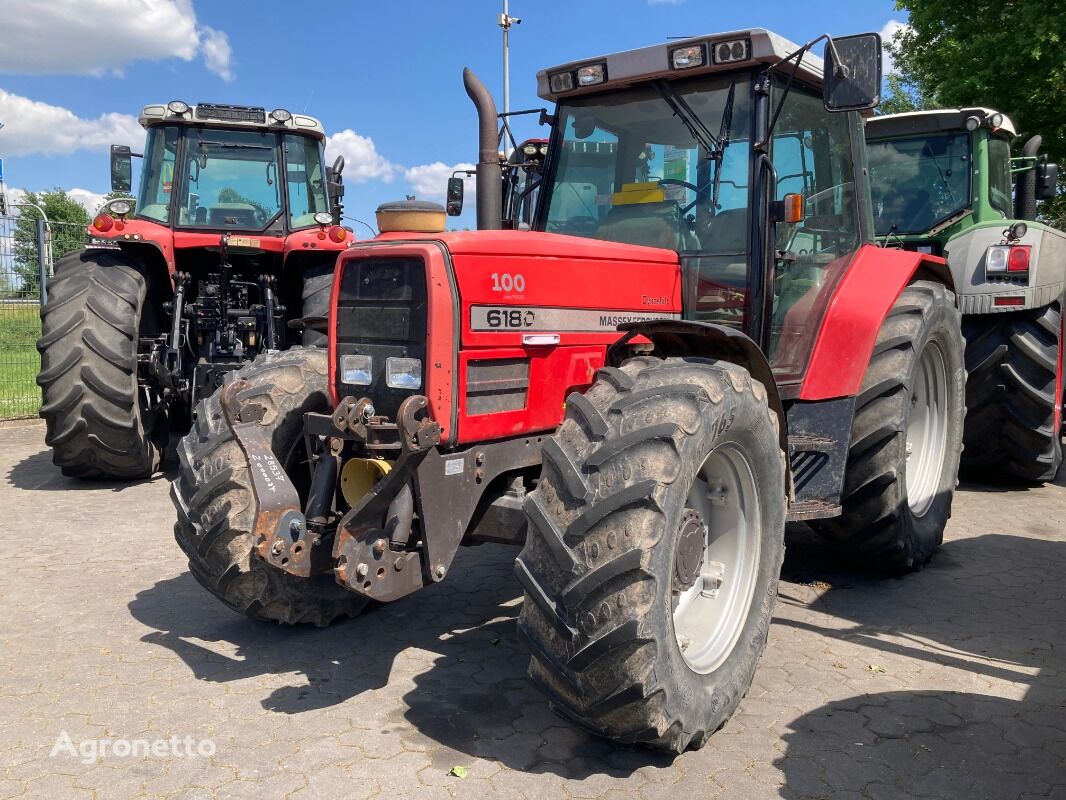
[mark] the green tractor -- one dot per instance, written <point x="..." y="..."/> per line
<point x="944" y="183"/>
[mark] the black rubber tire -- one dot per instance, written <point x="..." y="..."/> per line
<point x="213" y="496"/>
<point x="877" y="527"/>
<point x="317" y="284"/>
<point x="1013" y="361"/>
<point x="598" y="560"/>
<point x="96" y="425"/>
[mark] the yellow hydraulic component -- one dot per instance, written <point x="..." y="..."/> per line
<point x="359" y="476"/>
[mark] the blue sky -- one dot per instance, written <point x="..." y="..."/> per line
<point x="385" y="78"/>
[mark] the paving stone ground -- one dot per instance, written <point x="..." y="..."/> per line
<point x="950" y="683"/>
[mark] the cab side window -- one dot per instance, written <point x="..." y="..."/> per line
<point x="811" y="150"/>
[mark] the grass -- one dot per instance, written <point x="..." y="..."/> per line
<point x="20" y="325"/>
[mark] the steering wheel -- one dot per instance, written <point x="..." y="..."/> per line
<point x="699" y="192"/>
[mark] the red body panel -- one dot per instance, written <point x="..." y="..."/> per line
<point x="867" y="291"/>
<point x="559" y="273"/>
<point x="168" y="241"/>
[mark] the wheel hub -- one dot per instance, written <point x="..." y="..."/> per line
<point x="690" y="549"/>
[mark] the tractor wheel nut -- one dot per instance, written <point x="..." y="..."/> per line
<point x="277" y="548"/>
<point x="439" y="573"/>
<point x="361" y="571"/>
<point x="379" y="547"/>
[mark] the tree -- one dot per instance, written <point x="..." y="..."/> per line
<point x="901" y="96"/>
<point x="1007" y="54"/>
<point x="68" y="220"/>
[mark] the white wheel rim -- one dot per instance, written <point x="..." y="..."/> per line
<point x="926" y="430"/>
<point x="709" y="616"/>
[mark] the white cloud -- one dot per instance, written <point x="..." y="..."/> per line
<point x="362" y="161"/>
<point x="32" y="127"/>
<point x="888" y="32"/>
<point x="430" y="181"/>
<point x="217" y="52"/>
<point x="98" y="36"/>
<point x="87" y="199"/>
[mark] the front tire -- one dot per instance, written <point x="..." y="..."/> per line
<point x="215" y="503"/>
<point x="906" y="436"/>
<point x="99" y="421"/>
<point x="1013" y="362"/>
<point x="665" y="483"/>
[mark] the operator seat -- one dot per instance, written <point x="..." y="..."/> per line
<point x="648" y="224"/>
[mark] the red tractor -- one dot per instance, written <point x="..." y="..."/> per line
<point x="231" y="240"/>
<point x="698" y="341"/>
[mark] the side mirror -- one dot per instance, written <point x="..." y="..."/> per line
<point x="1047" y="179"/>
<point x="338" y="166"/>
<point x="121" y="168"/>
<point x="852" y="79"/>
<point x="455" y="197"/>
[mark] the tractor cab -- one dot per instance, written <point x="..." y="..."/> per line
<point x="732" y="150"/>
<point x="936" y="173"/>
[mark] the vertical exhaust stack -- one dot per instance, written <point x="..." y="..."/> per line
<point x="489" y="171"/>
<point x="1025" y="190"/>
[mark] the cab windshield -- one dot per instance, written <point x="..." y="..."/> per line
<point x="633" y="167"/>
<point x="229" y="179"/>
<point x="919" y="182"/>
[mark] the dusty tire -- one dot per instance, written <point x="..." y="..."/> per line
<point x="213" y="496"/>
<point x="97" y="425"/>
<point x="1013" y="364"/>
<point x="599" y="559"/>
<point x="317" y="284"/>
<point x="886" y="522"/>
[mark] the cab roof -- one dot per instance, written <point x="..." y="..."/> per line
<point x="632" y="67"/>
<point x="230" y="116"/>
<point x="940" y="119"/>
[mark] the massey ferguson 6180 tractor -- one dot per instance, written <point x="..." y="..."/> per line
<point x="942" y="183"/>
<point x="707" y="196"/>
<point x="232" y="238"/>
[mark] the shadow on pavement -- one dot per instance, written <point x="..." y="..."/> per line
<point x="992" y="610"/>
<point x="448" y="662"/>
<point x="452" y="649"/>
<point x="37" y="473"/>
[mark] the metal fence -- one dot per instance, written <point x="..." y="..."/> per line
<point x="29" y="248"/>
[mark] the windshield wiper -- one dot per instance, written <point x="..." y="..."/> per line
<point x="690" y="120"/>
<point x="723" y="143"/>
<point x="943" y="177"/>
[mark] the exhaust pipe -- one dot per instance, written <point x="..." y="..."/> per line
<point x="489" y="171"/>
<point x="1025" y="194"/>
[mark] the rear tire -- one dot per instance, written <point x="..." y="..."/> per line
<point x="317" y="285"/>
<point x="893" y="520"/>
<point x="98" y="423"/>
<point x="1013" y="362"/>
<point x="612" y="644"/>
<point x="215" y="503"/>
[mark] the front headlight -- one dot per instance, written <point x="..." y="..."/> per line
<point x="403" y="373"/>
<point x="357" y="370"/>
<point x="119" y="207"/>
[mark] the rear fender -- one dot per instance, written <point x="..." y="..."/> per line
<point x="866" y="293"/>
<point x="681" y="338"/>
